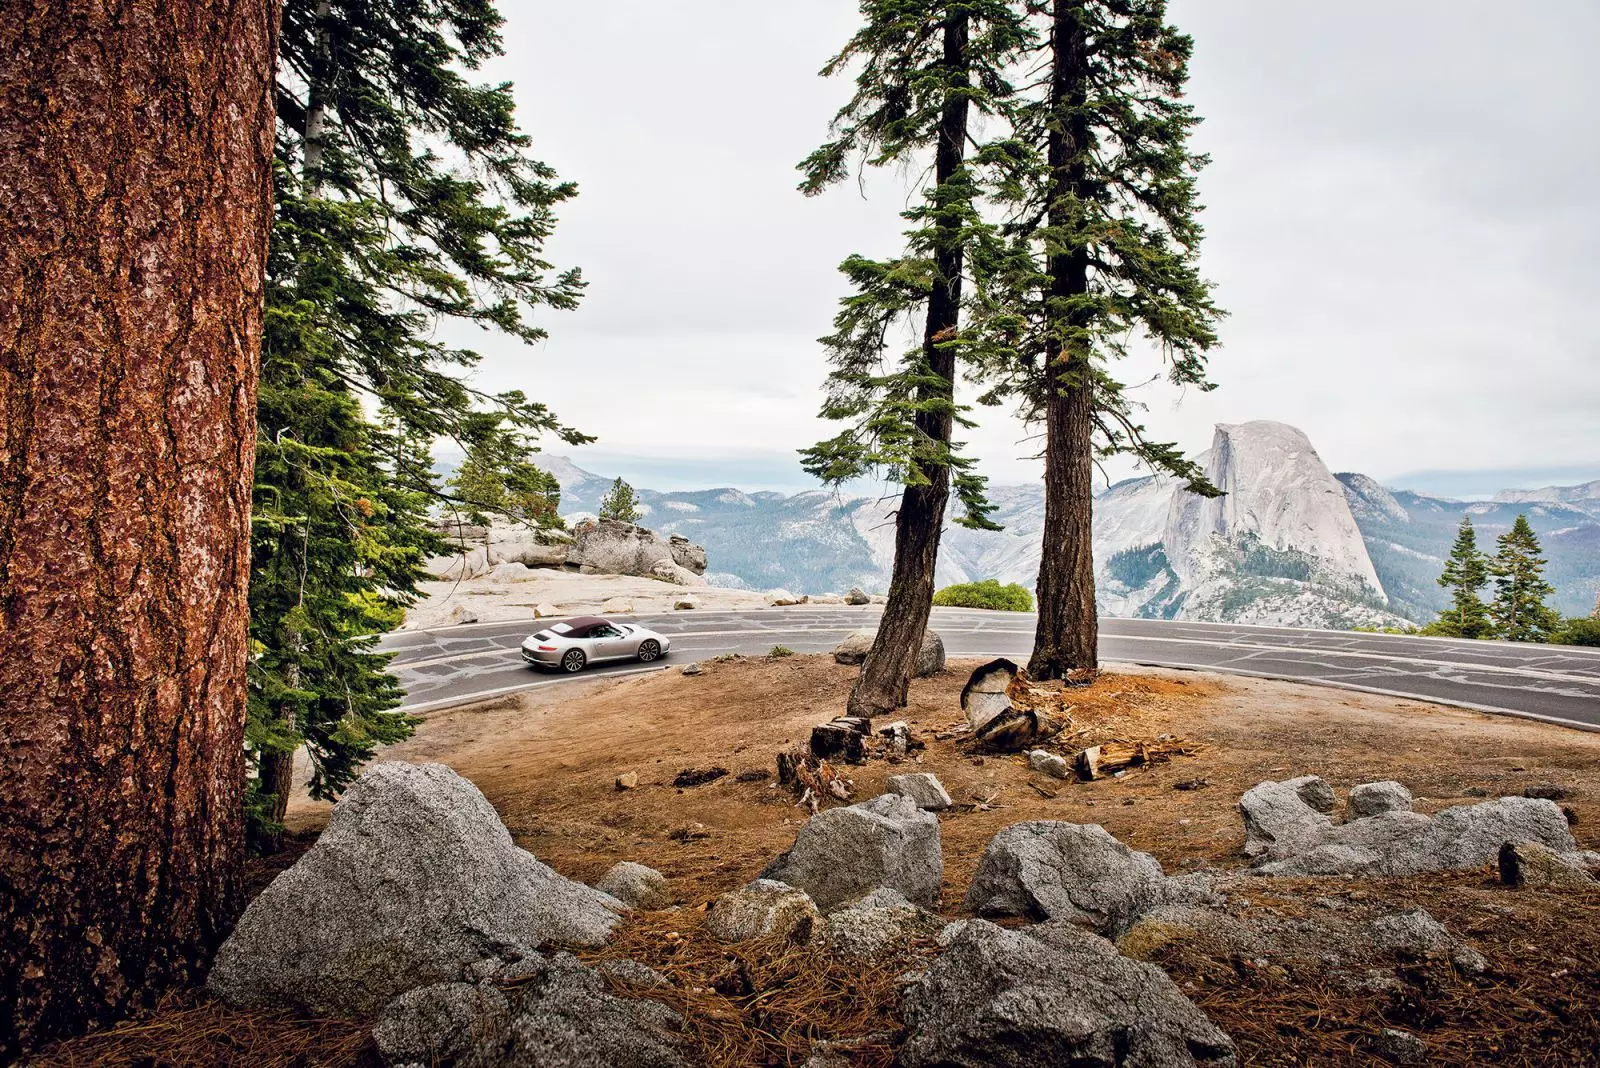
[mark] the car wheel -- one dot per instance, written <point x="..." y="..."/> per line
<point x="649" y="650"/>
<point x="573" y="661"/>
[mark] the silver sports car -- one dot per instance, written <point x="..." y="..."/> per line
<point x="574" y="644"/>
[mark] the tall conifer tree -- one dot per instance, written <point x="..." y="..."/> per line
<point x="1100" y="185"/>
<point x="406" y="198"/>
<point x="926" y="69"/>
<point x="1465" y="573"/>
<point x="1519" y="611"/>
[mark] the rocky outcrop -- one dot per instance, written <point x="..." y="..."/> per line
<point x="1289" y="836"/>
<point x="1050" y="870"/>
<point x="1051" y="994"/>
<point x="843" y="853"/>
<point x="607" y="547"/>
<point x="414" y="881"/>
<point x="551" y="1012"/>
<point x="1532" y="864"/>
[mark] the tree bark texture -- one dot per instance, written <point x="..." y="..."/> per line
<point x="1067" y="635"/>
<point x="136" y="143"/>
<point x="885" y="678"/>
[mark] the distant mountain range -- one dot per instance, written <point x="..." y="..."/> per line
<point x="1290" y="543"/>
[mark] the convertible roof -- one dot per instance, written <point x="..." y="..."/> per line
<point x="585" y="622"/>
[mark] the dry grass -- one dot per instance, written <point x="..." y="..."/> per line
<point x="765" y="1001"/>
<point x="187" y="1029"/>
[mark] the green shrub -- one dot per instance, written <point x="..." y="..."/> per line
<point x="1581" y="630"/>
<point x="781" y="650"/>
<point x="986" y="594"/>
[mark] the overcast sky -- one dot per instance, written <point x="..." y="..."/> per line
<point x="1402" y="216"/>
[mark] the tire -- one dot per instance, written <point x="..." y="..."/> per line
<point x="573" y="661"/>
<point x="649" y="650"/>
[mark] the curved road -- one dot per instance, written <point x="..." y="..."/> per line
<point x="1559" y="684"/>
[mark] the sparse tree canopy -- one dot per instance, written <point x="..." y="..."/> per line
<point x="620" y="504"/>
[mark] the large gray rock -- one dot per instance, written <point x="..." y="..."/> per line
<point x="1282" y="817"/>
<point x="414" y="880"/>
<point x="1051" y="995"/>
<point x="1373" y="798"/>
<point x="923" y="787"/>
<point x="878" y="924"/>
<point x="1405" y="843"/>
<point x="553" y="1012"/>
<point x="635" y="886"/>
<point x="761" y="908"/>
<point x="1050" y="870"/>
<point x="857" y="644"/>
<point x="843" y="853"/>
<point x="607" y="547"/>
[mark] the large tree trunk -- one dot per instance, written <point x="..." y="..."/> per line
<point x="1067" y="635"/>
<point x="886" y="675"/>
<point x="135" y="199"/>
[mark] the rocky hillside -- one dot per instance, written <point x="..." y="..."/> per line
<point x="1290" y="544"/>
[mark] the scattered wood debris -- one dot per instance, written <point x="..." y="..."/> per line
<point x="1008" y="712"/>
<point x="698" y="776"/>
<point x="1109" y="758"/>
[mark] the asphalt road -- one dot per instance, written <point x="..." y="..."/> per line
<point x="1560" y="684"/>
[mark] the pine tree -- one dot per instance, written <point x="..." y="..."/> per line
<point x="621" y="504"/>
<point x="135" y="200"/>
<point x="1465" y="572"/>
<point x="925" y="67"/>
<point x="405" y="198"/>
<point x="1099" y="183"/>
<point x="1519" y="611"/>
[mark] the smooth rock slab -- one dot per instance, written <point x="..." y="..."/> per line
<point x="843" y="853"/>
<point x="760" y="908"/>
<point x="1051" y="995"/>
<point x="923" y="787"/>
<point x="556" y="1014"/>
<point x="414" y="880"/>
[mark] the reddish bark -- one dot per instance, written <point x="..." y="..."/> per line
<point x="135" y="199"/>
<point x="1068" y="630"/>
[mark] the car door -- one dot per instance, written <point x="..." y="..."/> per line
<point x="611" y="643"/>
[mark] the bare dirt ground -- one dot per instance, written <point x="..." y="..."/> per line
<point x="548" y="762"/>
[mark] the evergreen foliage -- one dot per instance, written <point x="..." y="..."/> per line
<point x="987" y="593"/>
<point x="621" y="504"/>
<point x="405" y="198"/>
<point x="898" y="405"/>
<point x="1465" y="573"/>
<point x="1519" y="611"/>
<point x="1101" y="244"/>
<point x="1582" y="630"/>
